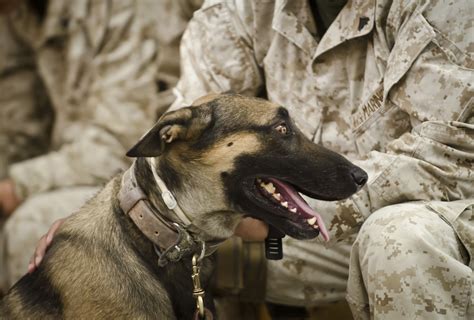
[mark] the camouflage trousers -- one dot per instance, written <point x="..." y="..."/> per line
<point x="21" y="232"/>
<point x="406" y="263"/>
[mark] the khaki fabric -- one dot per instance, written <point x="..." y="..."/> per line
<point x="309" y="275"/>
<point x="31" y="221"/>
<point x="99" y="65"/>
<point x="96" y="61"/>
<point x="389" y="85"/>
<point x="25" y="115"/>
<point x="411" y="262"/>
<point x="79" y="84"/>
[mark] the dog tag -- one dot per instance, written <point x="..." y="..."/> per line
<point x="169" y="200"/>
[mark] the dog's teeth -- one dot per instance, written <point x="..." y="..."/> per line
<point x="269" y="187"/>
<point x="311" y="221"/>
<point x="285" y="204"/>
<point x="277" y="196"/>
<point x="293" y="210"/>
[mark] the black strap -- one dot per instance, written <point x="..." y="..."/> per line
<point x="273" y="244"/>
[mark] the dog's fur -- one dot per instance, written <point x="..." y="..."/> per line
<point x="101" y="266"/>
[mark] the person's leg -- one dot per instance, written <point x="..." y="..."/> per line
<point x="309" y="274"/>
<point x="29" y="222"/>
<point x="408" y="263"/>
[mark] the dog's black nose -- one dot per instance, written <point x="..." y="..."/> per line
<point x="359" y="176"/>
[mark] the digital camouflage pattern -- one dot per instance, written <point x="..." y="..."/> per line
<point x="390" y="85"/>
<point x="409" y="253"/>
<point x="79" y="82"/>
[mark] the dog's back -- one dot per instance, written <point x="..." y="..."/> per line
<point x="32" y="297"/>
<point x="90" y="271"/>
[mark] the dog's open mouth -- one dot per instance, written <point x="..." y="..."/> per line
<point x="285" y="196"/>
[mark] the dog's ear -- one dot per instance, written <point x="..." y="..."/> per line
<point x="183" y="124"/>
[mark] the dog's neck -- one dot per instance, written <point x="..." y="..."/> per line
<point x="145" y="198"/>
<point x="167" y="196"/>
<point x="147" y="181"/>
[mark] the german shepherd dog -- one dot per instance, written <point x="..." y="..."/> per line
<point x="223" y="158"/>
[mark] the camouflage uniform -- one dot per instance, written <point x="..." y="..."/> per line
<point x="390" y="85"/>
<point x="96" y="63"/>
<point x="22" y="101"/>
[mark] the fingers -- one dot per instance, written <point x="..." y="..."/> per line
<point x="251" y="229"/>
<point x="43" y="244"/>
<point x="52" y="230"/>
<point x="8" y="198"/>
<point x="40" y="250"/>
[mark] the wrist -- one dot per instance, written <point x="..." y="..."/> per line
<point x="9" y="200"/>
<point x="250" y="229"/>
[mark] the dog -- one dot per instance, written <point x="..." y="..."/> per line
<point x="128" y="252"/>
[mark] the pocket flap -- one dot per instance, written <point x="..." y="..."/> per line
<point x="414" y="36"/>
<point x="460" y="215"/>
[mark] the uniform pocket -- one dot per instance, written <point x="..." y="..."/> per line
<point x="414" y="37"/>
<point x="378" y="121"/>
<point x="452" y="52"/>
<point x="460" y="215"/>
<point x="426" y="74"/>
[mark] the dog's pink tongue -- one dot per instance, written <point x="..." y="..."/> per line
<point x="289" y="193"/>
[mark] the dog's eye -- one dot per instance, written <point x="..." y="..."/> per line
<point x="282" y="128"/>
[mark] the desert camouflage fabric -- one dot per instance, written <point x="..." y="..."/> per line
<point x="80" y="81"/>
<point x="390" y="85"/>
<point x="96" y="62"/>
<point x="25" y="116"/>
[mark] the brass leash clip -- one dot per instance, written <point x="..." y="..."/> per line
<point x="198" y="292"/>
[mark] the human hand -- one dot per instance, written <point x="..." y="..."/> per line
<point x="251" y="229"/>
<point x="8" y="198"/>
<point x="43" y="245"/>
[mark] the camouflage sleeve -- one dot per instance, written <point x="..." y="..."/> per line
<point x="25" y="116"/>
<point x="109" y="98"/>
<point x="429" y="76"/>
<point x="222" y="60"/>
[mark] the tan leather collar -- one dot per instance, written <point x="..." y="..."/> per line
<point x="171" y="240"/>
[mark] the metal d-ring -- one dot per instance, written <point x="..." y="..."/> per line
<point x="162" y="256"/>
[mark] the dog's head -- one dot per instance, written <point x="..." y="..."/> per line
<point x="230" y="156"/>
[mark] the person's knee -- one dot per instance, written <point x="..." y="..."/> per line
<point x="402" y="232"/>
<point x="45" y="208"/>
<point x="407" y="253"/>
<point x="35" y="215"/>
